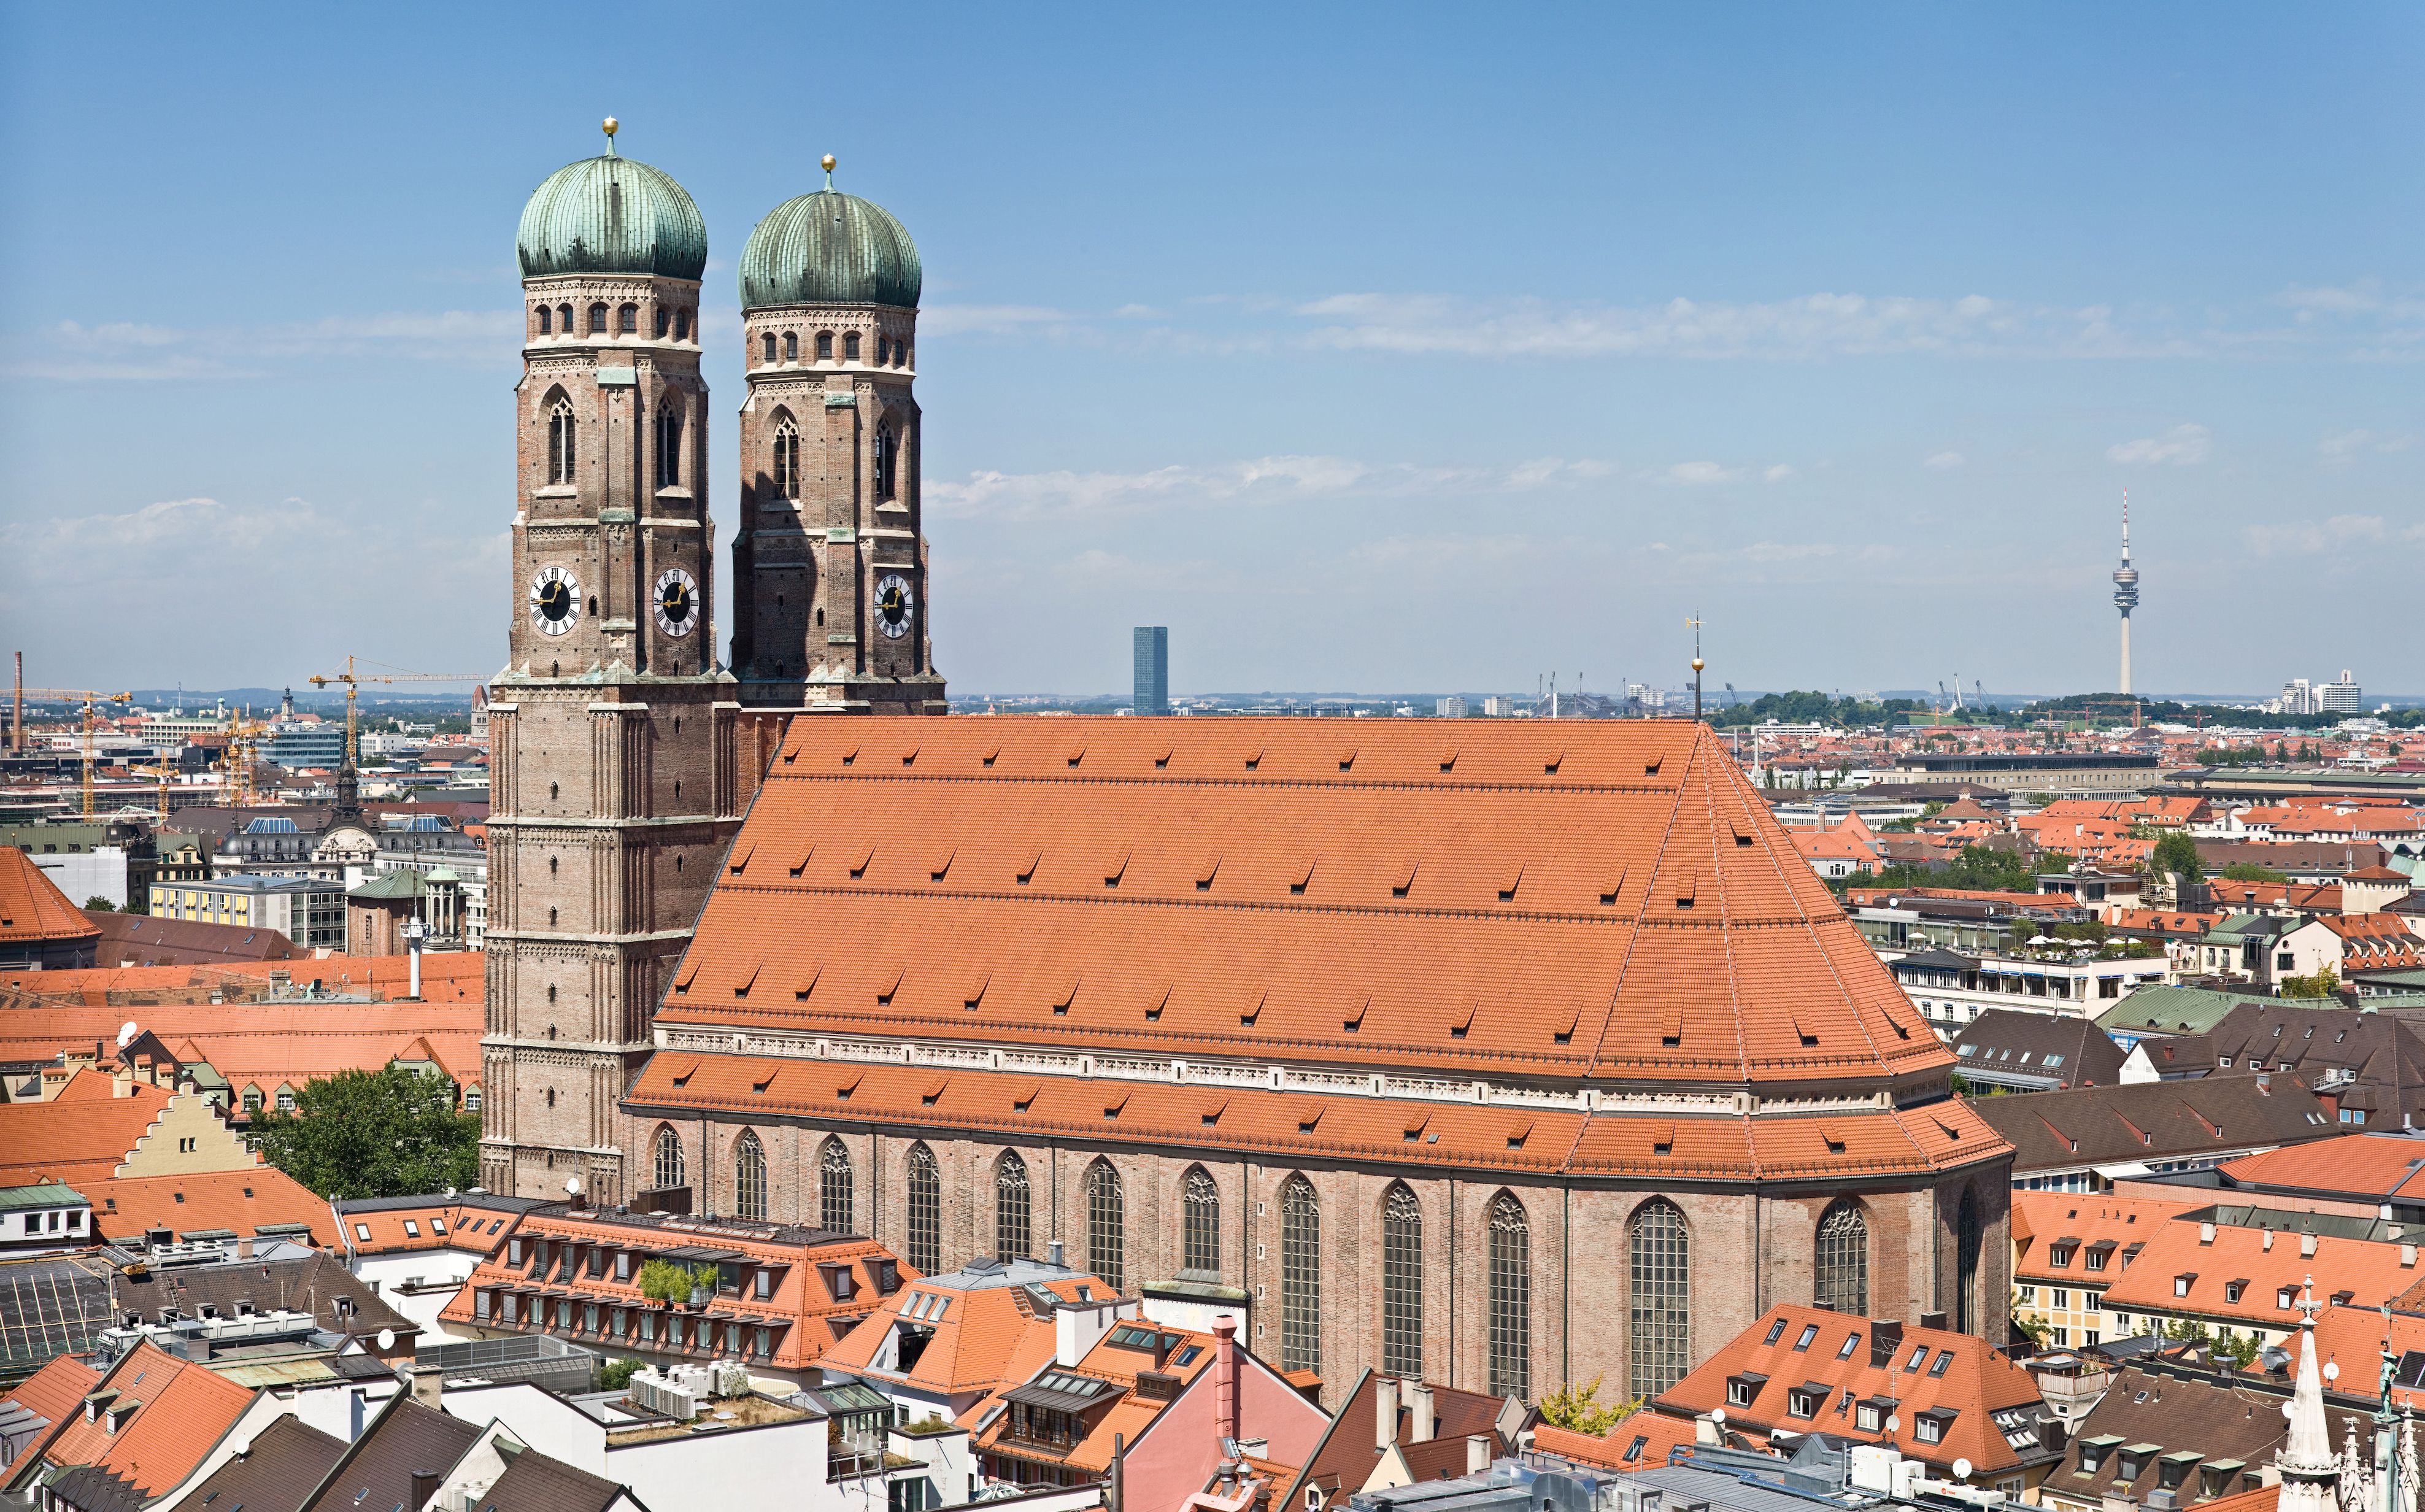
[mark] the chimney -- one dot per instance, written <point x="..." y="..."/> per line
<point x="1385" y="1414"/>
<point x="2306" y="1246"/>
<point x="2407" y="1257"/>
<point x="1224" y="1376"/>
<point x="1116" y="1486"/>
<point x="425" y="1486"/>
<point x="358" y="1408"/>
<point x="2266" y="1244"/>
<point x="1477" y="1453"/>
<point x="428" y="1384"/>
<point x="1931" y="1320"/>
<point x="244" y="1246"/>
<point x="1705" y="1429"/>
<point x="1054" y="1251"/>
<point x="1423" y="1423"/>
<point x="2206" y="1233"/>
<point x="1885" y="1338"/>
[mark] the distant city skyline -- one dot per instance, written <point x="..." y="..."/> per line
<point x="1467" y="359"/>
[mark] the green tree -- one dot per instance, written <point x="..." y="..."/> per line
<point x="2175" y="852"/>
<point x="97" y="904"/>
<point x="1578" y="1408"/>
<point x="663" y="1280"/>
<point x="619" y="1373"/>
<point x="2322" y="985"/>
<point x="387" y="1133"/>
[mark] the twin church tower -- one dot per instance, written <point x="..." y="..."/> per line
<point x="622" y="749"/>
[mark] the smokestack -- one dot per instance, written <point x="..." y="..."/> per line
<point x="428" y="1385"/>
<point x="1053" y="1249"/>
<point x="1224" y="1376"/>
<point x="1425" y="1422"/>
<point x="1385" y="1414"/>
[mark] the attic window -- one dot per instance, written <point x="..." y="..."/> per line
<point x="1161" y="1000"/>
<point x="1650" y="768"/>
<point x="1211" y="1115"/>
<point x="1076" y="754"/>
<point x="741" y="862"/>
<point x="1346" y="761"/>
<point x="1508" y="883"/>
<point x="910" y="756"/>
<point x="1662" y="1142"/>
<point x="976" y="994"/>
<point x="1567" y="1035"/>
<point x="849" y="756"/>
<point x="806" y="982"/>
<point x="884" y="993"/>
<point x="1111" y="1109"/>
<point x="1205" y="871"/>
<point x="1448" y="759"/>
<point x="1550" y="763"/>
<point x="1516" y="1136"/>
<point x="860" y="870"/>
<point x="1067" y="995"/>
<point x="1027" y="873"/>
<point x="1303" y="877"/>
<point x="1254" y="758"/>
<point x="741" y="989"/>
<point x="1308" y="1120"/>
<point x="1406" y="881"/>
<point x="1834" y="1145"/>
<point x="1247" y="1014"/>
<point x="1116" y="868"/>
<point x="991" y="751"/>
<point x="1610" y="889"/>
<point x="943" y="866"/>
<point x="1354" y="1019"/>
<point x="1163" y="757"/>
<point x="934" y="1093"/>
<point x="1459" y="1026"/>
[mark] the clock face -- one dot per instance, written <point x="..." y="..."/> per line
<point x="555" y="601"/>
<point x="893" y="605"/>
<point x="676" y="603"/>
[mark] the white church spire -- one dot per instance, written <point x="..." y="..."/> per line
<point x="2310" y="1473"/>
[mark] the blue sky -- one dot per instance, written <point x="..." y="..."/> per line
<point x="1379" y="348"/>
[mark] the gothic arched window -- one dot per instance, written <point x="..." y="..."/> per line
<point x="1401" y="1283"/>
<point x="1106" y="1226"/>
<point x="682" y="325"/>
<point x="888" y="451"/>
<point x="628" y="319"/>
<point x="1013" y="1224"/>
<point x="546" y="324"/>
<point x="837" y="1205"/>
<point x="1841" y="1274"/>
<point x="850" y="346"/>
<point x="1511" y="1299"/>
<point x="1300" y="1276"/>
<point x="670" y="429"/>
<point x="597" y="319"/>
<point x="559" y="441"/>
<point x="665" y="321"/>
<point x="669" y="1170"/>
<point x="1200" y="1234"/>
<point x="787" y="460"/>
<point x="749" y="1177"/>
<point x="925" y="1212"/>
<point x="883" y="350"/>
<point x="769" y="347"/>
<point x="1969" y="1237"/>
<point x="824" y="346"/>
<point x="564" y="318"/>
<point x="791" y="347"/>
<point x="1660" y="1296"/>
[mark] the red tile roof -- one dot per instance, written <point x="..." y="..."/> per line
<point x="81" y="1135"/>
<point x="32" y="908"/>
<point x="2092" y="1235"/>
<point x="55" y="1392"/>
<point x="989" y="1338"/>
<point x="1641" y="1441"/>
<point x="1284" y="887"/>
<point x="243" y="1201"/>
<point x="2372" y="1168"/>
<point x="185" y="1409"/>
<point x="1127" y="1417"/>
<point x="2182" y="1272"/>
<point x="261" y="1044"/>
<point x="1834" y="1361"/>
<point x="463" y="1224"/>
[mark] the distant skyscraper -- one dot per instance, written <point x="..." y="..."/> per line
<point x="2126" y="591"/>
<point x="1152" y="669"/>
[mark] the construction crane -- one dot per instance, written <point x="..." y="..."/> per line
<point x="353" y="681"/>
<point x="87" y="696"/>
<point x="237" y="776"/>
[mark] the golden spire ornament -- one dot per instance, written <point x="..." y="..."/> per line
<point x="611" y="126"/>
<point x="828" y="161"/>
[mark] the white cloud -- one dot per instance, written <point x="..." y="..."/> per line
<point x="991" y="320"/>
<point x="1263" y="480"/>
<point x="2337" y="450"/>
<point x="1944" y="461"/>
<point x="124" y="351"/>
<point x="2182" y="446"/>
<point x="1777" y="474"/>
<point x="1698" y="474"/>
<point x="2309" y="536"/>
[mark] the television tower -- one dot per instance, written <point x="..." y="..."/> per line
<point x="2126" y="591"/>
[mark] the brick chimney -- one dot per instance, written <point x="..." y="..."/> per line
<point x="1225" y="1375"/>
<point x="1886" y="1336"/>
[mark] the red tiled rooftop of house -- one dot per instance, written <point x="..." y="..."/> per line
<point x="32" y="908"/>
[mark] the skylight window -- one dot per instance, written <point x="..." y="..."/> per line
<point x="1944" y="1362"/>
<point x="1775" y="1331"/>
<point x="1810" y="1332"/>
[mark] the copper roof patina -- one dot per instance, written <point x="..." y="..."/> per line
<point x="611" y="215"/>
<point x="830" y="247"/>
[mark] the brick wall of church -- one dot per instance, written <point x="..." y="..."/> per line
<point x="1747" y="1252"/>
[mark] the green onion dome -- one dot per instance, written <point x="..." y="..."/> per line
<point x="611" y="215"/>
<point x="830" y="247"/>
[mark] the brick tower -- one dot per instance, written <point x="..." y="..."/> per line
<point x="830" y="565"/>
<point x="612" y="727"/>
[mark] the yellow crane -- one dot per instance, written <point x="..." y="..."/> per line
<point x="89" y="697"/>
<point x="237" y="776"/>
<point x="353" y="681"/>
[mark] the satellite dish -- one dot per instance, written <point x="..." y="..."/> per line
<point x="386" y="1338"/>
<point x="2332" y="1370"/>
<point x="1962" y="1469"/>
<point x="1894" y="1422"/>
<point x="126" y="1033"/>
<point x="1717" y="1414"/>
<point x="572" y="1186"/>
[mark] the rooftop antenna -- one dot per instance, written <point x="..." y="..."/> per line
<point x="1694" y="622"/>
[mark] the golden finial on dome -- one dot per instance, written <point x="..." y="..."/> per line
<point x="611" y="126"/>
<point x="828" y="161"/>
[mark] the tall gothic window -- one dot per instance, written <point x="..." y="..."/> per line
<point x="888" y="455"/>
<point x="1402" y="1284"/>
<point x="1200" y="1234"/>
<point x="559" y="441"/>
<point x="1660" y="1299"/>
<point x="749" y="1177"/>
<point x="787" y="461"/>
<point x="837" y="1203"/>
<point x="545" y="323"/>
<point x="1300" y="1276"/>
<point x="768" y="349"/>
<point x="1968" y="1236"/>
<point x="925" y="1212"/>
<point x="670" y="1171"/>
<point x="670" y="429"/>
<point x="1841" y="1272"/>
<point x="1014" y="1233"/>
<point x="791" y="347"/>
<point x="1106" y="1226"/>
<point x="1511" y="1299"/>
<point x="597" y="320"/>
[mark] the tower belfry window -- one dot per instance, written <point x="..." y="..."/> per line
<point x="597" y="320"/>
<point x="850" y="346"/>
<point x="787" y="461"/>
<point x="665" y="321"/>
<point x="824" y="346"/>
<point x="768" y="347"/>
<point x="559" y="441"/>
<point x="545" y="323"/>
<point x="888" y="451"/>
<point x="629" y="319"/>
<point x="791" y="348"/>
<point x="670" y="429"/>
<point x="564" y="318"/>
